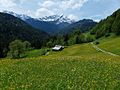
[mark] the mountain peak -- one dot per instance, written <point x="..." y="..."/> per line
<point x="21" y="16"/>
<point x="57" y="18"/>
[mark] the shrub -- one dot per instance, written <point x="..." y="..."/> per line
<point x="17" y="48"/>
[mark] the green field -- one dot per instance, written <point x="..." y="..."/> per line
<point x="111" y="44"/>
<point x="77" y="67"/>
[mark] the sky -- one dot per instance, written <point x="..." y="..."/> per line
<point x="73" y="9"/>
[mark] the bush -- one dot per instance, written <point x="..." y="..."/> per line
<point x="17" y="48"/>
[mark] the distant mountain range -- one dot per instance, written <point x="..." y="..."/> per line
<point x="82" y="25"/>
<point x="49" y="24"/>
<point x="57" y="19"/>
<point x="56" y="24"/>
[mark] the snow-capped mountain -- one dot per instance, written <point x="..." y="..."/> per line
<point x="21" y="16"/>
<point x="48" y="24"/>
<point x="55" y="23"/>
<point x="57" y="18"/>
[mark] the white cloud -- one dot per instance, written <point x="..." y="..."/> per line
<point x="73" y="17"/>
<point x="47" y="4"/>
<point x="72" y="4"/>
<point x="7" y="3"/>
<point x="12" y="5"/>
<point x="97" y="20"/>
<point x="50" y="7"/>
<point x="46" y="8"/>
<point x="43" y="12"/>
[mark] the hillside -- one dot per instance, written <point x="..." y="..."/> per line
<point x="111" y="44"/>
<point x="76" y="67"/>
<point x="109" y="25"/>
<point x="12" y="28"/>
<point x="48" y="27"/>
<point x="82" y="25"/>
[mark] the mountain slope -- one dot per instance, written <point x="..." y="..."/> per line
<point x="12" y="28"/>
<point x="48" y="27"/>
<point x="49" y="24"/>
<point x="82" y="25"/>
<point x="56" y="23"/>
<point x="111" y="44"/>
<point x="109" y="25"/>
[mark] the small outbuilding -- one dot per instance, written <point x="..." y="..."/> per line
<point x="58" y="48"/>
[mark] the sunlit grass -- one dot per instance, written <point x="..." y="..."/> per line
<point x="92" y="72"/>
<point x="77" y="67"/>
<point x="111" y="44"/>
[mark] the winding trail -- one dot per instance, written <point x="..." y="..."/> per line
<point x="101" y="50"/>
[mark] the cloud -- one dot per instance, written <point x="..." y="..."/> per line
<point x="46" y="4"/>
<point x="72" y="8"/>
<point x="97" y="20"/>
<point x="43" y="11"/>
<point x="13" y="5"/>
<point x="50" y="7"/>
<point x="7" y="3"/>
<point x="46" y="8"/>
<point x="72" y="4"/>
<point x="73" y="17"/>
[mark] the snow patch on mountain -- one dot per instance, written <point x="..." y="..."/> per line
<point x="21" y="16"/>
<point x="57" y="18"/>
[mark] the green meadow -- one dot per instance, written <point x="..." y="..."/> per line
<point x="77" y="67"/>
<point x="111" y="44"/>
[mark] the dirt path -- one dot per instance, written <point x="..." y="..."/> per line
<point x="99" y="49"/>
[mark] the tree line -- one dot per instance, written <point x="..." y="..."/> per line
<point x="109" y="25"/>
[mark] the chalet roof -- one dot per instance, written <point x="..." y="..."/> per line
<point x="57" y="47"/>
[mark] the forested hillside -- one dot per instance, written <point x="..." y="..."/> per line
<point x="12" y="28"/>
<point x="81" y="25"/>
<point x="109" y="25"/>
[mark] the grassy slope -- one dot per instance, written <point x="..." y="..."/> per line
<point x="76" y="67"/>
<point x="75" y="50"/>
<point x="111" y="44"/>
<point x="35" y="53"/>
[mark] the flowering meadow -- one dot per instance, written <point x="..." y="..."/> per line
<point x="77" y="67"/>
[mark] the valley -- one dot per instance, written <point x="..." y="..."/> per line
<point x="52" y="51"/>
